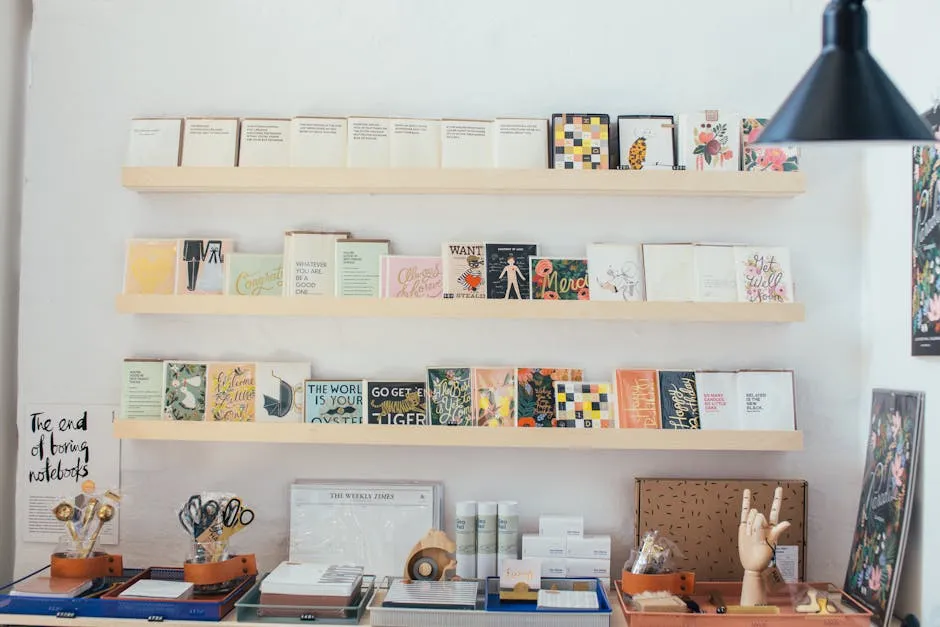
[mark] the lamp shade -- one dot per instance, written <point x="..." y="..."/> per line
<point x="845" y="95"/>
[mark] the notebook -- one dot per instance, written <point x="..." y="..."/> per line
<point x="309" y="579"/>
<point x="567" y="600"/>
<point x="451" y="595"/>
<point x="59" y="587"/>
<point x="157" y="589"/>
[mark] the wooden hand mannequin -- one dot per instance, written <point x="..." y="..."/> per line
<point x="756" y="542"/>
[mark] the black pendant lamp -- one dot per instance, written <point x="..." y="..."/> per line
<point x="845" y="96"/>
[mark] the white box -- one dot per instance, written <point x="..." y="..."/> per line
<point x="466" y="144"/>
<point x="554" y="567"/>
<point x="417" y="144"/>
<point x="534" y="545"/>
<point x="588" y="568"/>
<point x="318" y="142"/>
<point x="561" y="526"/>
<point x="154" y="142"/>
<point x="210" y="142"/>
<point x="588" y="547"/>
<point x="367" y="143"/>
<point x="521" y="143"/>
<point x="265" y="143"/>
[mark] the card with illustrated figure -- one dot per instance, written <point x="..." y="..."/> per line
<point x="184" y="390"/>
<point x="396" y="403"/>
<point x="200" y="266"/>
<point x="230" y="392"/>
<point x="616" y="272"/>
<point x="535" y="394"/>
<point x="404" y="276"/>
<point x="637" y="396"/>
<point x="709" y="141"/>
<point x="507" y="270"/>
<point x="580" y="141"/>
<point x="358" y="267"/>
<point x="765" y="158"/>
<point x="463" y="266"/>
<point x="494" y="397"/>
<point x="647" y="142"/>
<point x="254" y="275"/>
<point x="450" y="398"/>
<point x="678" y="399"/>
<point x="583" y="405"/>
<point x="150" y="266"/>
<point x="280" y="391"/>
<point x="338" y="402"/>
<point x="555" y="278"/>
<point x="763" y="274"/>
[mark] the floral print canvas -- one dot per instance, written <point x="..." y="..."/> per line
<point x="763" y="274"/>
<point x="711" y="141"/>
<point x="925" y="261"/>
<point x="884" y="507"/>
<point x="765" y="158"/>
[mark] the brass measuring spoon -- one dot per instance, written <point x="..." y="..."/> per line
<point x="64" y="513"/>
<point x="105" y="513"/>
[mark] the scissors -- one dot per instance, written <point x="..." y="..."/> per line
<point x="197" y="516"/>
<point x="235" y="517"/>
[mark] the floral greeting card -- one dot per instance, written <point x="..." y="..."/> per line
<point x="884" y="507"/>
<point x="711" y="141"/>
<point x="763" y="274"/>
<point x="765" y="158"/>
<point x="559" y="279"/>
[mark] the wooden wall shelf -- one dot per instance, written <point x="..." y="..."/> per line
<point x="383" y="435"/>
<point x="446" y="181"/>
<point x="462" y="308"/>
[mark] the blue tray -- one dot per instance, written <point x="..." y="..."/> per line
<point x="213" y="607"/>
<point x="206" y="608"/>
<point x="63" y="608"/>
<point x="494" y="604"/>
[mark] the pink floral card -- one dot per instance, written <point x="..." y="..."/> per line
<point x="765" y="158"/>
<point x="763" y="274"/>
<point x="710" y="141"/>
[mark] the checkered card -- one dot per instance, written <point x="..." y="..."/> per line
<point x="582" y="405"/>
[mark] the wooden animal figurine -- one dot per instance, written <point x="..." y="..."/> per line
<point x="757" y="539"/>
<point x="431" y="559"/>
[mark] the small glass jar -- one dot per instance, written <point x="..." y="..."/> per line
<point x="209" y="553"/>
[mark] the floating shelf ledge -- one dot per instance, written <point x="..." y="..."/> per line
<point x="455" y="181"/>
<point x="507" y="437"/>
<point x="459" y="308"/>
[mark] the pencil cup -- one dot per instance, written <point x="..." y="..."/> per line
<point x="206" y="553"/>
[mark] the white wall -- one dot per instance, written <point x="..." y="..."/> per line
<point x="887" y="284"/>
<point x="98" y="63"/>
<point x="14" y="30"/>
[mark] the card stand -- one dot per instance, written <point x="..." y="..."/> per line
<point x="851" y="613"/>
<point x="679" y="583"/>
<point x="221" y="576"/>
<point x="93" y="567"/>
<point x="209" y="607"/>
<point x="521" y="614"/>
<point x="89" y="605"/>
<point x="250" y="609"/>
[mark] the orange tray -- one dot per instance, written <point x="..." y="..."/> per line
<point x="731" y="591"/>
